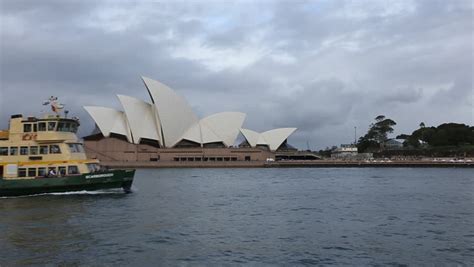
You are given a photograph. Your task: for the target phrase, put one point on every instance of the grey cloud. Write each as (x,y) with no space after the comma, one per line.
(402,95)
(461,92)
(341,71)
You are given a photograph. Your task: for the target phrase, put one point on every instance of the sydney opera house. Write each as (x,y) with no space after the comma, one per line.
(167,130)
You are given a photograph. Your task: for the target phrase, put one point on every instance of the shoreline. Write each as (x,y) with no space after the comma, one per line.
(288,164)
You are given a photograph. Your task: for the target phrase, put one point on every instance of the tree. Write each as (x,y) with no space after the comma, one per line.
(403,136)
(447,134)
(380,118)
(381,128)
(377,133)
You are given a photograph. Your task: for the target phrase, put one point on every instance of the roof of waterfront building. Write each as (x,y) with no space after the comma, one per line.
(170,121)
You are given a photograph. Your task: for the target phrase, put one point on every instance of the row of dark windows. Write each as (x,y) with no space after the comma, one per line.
(50,126)
(32,150)
(205,159)
(48,172)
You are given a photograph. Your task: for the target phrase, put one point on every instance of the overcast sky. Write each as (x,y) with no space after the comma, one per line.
(321,66)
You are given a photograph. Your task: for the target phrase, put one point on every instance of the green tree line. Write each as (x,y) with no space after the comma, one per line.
(444,135)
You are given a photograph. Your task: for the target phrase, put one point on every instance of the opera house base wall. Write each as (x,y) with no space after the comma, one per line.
(169,164)
(113,152)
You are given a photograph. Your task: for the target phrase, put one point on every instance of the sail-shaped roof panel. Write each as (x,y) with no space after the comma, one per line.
(175,114)
(274,138)
(225,125)
(251,136)
(109,121)
(141,119)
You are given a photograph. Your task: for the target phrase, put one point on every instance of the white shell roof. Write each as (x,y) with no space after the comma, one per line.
(225,125)
(201,134)
(141,119)
(273,138)
(220,127)
(175,114)
(170,119)
(276,137)
(252,137)
(193,134)
(110,120)
(208,135)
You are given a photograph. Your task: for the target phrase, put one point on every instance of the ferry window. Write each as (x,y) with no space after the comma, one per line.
(54,149)
(76,148)
(35,127)
(21,172)
(52,171)
(43,150)
(72,148)
(31,172)
(51,126)
(4,151)
(72,170)
(41,172)
(80,148)
(62,170)
(42,126)
(74,127)
(13,151)
(33,150)
(23,150)
(62,127)
(26,127)
(93,167)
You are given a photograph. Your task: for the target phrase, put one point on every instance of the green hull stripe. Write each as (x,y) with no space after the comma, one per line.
(94,181)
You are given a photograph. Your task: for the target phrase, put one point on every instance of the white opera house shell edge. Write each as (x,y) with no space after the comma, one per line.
(169,122)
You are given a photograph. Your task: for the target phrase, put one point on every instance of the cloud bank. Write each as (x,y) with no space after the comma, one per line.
(322,66)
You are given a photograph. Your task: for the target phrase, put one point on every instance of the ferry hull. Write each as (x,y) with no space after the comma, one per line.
(90,182)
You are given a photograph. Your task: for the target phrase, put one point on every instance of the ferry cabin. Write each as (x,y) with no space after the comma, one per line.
(33,148)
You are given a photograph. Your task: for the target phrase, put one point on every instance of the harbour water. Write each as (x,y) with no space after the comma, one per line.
(346,216)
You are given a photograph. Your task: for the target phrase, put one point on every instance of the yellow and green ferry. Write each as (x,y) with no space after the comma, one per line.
(44,155)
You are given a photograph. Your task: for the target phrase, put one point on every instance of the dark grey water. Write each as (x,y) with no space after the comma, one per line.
(251,216)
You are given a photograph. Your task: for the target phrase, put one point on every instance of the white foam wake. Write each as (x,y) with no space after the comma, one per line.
(82,192)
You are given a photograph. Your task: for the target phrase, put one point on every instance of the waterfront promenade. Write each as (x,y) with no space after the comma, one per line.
(294,164)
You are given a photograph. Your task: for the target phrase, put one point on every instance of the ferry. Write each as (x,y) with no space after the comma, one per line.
(44,155)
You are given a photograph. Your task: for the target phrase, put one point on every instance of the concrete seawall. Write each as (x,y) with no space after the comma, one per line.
(288,164)
(362,164)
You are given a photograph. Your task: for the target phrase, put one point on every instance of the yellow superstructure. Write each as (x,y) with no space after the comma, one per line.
(40,147)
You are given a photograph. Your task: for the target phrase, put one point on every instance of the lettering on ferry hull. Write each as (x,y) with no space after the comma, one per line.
(99,175)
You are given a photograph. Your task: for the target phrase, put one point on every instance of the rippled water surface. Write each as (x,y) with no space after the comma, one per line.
(251,216)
